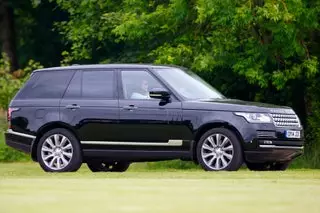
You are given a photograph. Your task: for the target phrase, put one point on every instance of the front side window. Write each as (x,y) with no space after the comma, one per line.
(137,84)
(98,84)
(187,84)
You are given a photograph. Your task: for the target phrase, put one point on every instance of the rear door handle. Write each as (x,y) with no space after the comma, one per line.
(73,106)
(130,107)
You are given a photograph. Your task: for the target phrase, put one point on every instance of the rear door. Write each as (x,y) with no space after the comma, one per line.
(90,105)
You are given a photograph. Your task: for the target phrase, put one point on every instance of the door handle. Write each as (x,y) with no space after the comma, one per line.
(129,107)
(73,106)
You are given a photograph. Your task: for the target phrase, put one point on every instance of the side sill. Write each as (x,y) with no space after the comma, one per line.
(135,155)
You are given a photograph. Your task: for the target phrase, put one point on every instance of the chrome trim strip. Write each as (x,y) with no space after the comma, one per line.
(280,147)
(10,131)
(169,143)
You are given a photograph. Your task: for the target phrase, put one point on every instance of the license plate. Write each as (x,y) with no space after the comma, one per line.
(292,134)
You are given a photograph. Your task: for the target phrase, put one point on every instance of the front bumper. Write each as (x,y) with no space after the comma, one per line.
(271,145)
(19,141)
(273,153)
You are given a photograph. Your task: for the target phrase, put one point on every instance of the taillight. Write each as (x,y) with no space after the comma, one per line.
(9,115)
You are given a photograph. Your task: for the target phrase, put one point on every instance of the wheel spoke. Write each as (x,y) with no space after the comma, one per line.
(69,155)
(52,161)
(205,146)
(56,140)
(63,141)
(48,156)
(46,149)
(217,164)
(225,140)
(69,146)
(64,161)
(49,141)
(210,139)
(229,148)
(58,163)
(211,161)
(218,139)
(224,162)
(208,154)
(227,155)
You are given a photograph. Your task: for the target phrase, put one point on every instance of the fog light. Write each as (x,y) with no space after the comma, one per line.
(266,142)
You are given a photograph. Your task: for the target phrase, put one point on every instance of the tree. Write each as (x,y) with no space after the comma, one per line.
(7,33)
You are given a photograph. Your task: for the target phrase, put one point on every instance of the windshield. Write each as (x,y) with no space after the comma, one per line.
(188,85)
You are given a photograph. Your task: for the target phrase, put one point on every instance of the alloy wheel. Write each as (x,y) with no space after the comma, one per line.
(57,152)
(217,151)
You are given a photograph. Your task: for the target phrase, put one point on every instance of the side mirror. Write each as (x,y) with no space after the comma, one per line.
(159,93)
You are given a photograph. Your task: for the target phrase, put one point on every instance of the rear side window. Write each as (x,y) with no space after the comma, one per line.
(91,85)
(46,84)
(98,84)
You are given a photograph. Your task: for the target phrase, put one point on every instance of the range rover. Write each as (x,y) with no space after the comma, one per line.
(109,116)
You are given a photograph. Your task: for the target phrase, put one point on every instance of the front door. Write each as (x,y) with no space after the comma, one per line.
(145,121)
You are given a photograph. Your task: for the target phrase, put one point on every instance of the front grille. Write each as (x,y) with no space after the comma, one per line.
(285,120)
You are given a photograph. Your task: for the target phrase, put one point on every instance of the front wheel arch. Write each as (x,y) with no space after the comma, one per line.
(206,127)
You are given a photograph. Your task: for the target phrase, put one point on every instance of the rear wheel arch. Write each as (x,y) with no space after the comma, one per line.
(46,128)
(206,127)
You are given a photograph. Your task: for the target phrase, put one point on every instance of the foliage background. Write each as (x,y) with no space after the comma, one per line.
(256,50)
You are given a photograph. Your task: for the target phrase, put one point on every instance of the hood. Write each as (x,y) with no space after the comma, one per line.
(236,105)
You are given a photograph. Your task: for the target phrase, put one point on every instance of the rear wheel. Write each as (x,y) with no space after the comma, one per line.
(219,149)
(59,151)
(101,166)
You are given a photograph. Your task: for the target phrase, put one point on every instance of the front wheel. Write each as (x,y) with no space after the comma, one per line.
(100,166)
(219,149)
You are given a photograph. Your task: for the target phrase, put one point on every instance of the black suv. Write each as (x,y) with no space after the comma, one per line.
(111,115)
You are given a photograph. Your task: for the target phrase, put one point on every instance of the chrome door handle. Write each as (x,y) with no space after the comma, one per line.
(129,107)
(73,106)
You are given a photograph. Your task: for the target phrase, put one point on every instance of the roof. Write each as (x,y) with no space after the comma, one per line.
(102,66)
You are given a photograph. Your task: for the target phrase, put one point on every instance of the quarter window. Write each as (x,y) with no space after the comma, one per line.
(48,84)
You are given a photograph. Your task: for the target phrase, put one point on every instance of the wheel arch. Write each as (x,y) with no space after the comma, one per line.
(206,127)
(44,129)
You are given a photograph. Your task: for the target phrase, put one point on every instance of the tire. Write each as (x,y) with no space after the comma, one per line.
(64,147)
(275,166)
(228,153)
(100,166)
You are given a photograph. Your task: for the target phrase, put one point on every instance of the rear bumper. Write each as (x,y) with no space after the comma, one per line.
(19,141)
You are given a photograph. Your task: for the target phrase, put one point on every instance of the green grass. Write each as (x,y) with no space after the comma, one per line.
(24,187)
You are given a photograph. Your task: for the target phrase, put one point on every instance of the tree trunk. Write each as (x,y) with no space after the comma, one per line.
(7,34)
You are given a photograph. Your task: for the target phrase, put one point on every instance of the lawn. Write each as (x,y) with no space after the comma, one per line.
(153,188)
(25,188)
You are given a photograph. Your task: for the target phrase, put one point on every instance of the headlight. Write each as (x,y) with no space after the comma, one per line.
(255,117)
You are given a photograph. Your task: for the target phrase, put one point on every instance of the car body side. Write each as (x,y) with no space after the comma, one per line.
(155,123)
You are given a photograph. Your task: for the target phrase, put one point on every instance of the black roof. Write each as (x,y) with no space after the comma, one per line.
(101,66)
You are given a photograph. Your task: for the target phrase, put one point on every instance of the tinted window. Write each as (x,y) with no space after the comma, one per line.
(74,89)
(46,85)
(98,84)
(188,84)
(137,84)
